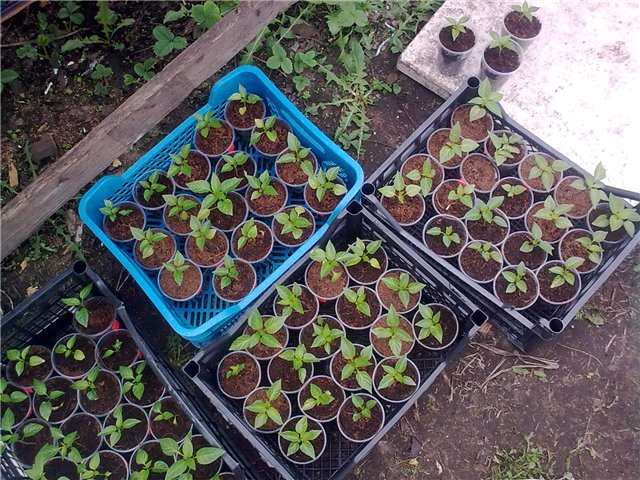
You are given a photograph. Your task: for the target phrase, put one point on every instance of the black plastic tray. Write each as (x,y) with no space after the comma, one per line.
(522,328)
(341,455)
(43,319)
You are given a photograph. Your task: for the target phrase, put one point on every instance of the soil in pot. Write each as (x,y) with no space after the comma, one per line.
(273,148)
(199,170)
(405,213)
(120,229)
(504,61)
(536,183)
(550,232)
(309,305)
(255,248)
(71,367)
(125,356)
(489,232)
(325,287)
(517,157)
(268,205)
(559,294)
(20,409)
(397,391)
(108,393)
(288,238)
(381,345)
(475,130)
(113,464)
(37,372)
(156,199)
(318,443)
(570,247)
(435,143)
(520,26)
(366,274)
(191,282)
(450,207)
(154,452)
(567,195)
(62,406)
(246,381)
(177,427)
(61,468)
(337,364)
(307,338)
(517,299)
(217,142)
(448,322)
(248,168)
(213,252)
(478,170)
(476,267)
(388,297)
(352,317)
(163,251)
(27,450)
(229,222)
(603,209)
(262,351)
(364,428)
(177,224)
(280,369)
(292,173)
(416,162)
(514,256)
(323,412)
(204,472)
(328,203)
(130,436)
(434,242)
(281,404)
(153,388)
(517,205)
(246,120)
(101,315)
(87,428)
(463,42)
(239,288)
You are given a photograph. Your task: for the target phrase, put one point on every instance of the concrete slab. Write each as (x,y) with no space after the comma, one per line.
(578,88)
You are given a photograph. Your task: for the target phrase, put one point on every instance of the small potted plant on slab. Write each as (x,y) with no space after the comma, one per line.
(188,166)
(293,225)
(242,109)
(269,137)
(266,195)
(517,197)
(292,366)
(360,418)
(225,208)
(422,170)
(527,247)
(116,348)
(614,218)
(125,428)
(252,241)
(326,276)
(358,307)
(195,457)
(234,279)
(92,316)
(323,190)
(399,289)
(140,385)
(302,440)
(119,218)
(584,244)
(456,41)
(297,304)
(453,197)
(206,246)
(322,336)
(475,123)
(177,212)
(87,428)
(559,281)
(352,367)
(239,374)
(479,171)
(148,191)
(180,279)
(396,379)
(480,261)
(449,147)
(485,221)
(31,363)
(153,247)
(267,409)
(292,165)
(168,420)
(264,337)
(506,148)
(500,59)
(74,355)
(391,335)
(54,400)
(435,326)
(516,286)
(99,392)
(550,217)
(212,136)
(403,202)
(445,235)
(540,172)
(366,261)
(522,25)
(320,398)
(238,164)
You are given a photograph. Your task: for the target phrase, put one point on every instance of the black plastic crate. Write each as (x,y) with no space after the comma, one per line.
(523,328)
(340,455)
(42,319)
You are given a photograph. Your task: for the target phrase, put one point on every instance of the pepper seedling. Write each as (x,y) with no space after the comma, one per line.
(133,379)
(202,231)
(147,240)
(66,448)
(244,98)
(162,415)
(217,194)
(264,127)
(501,42)
(563,273)
(300,438)
(113,212)
(21,358)
(17,396)
(151,186)
(324,181)
(46,407)
(429,323)
(359,251)
(296,154)
(356,364)
(486,100)
(187,458)
(179,164)
(504,146)
(425,176)
(546,171)
(365,409)
(395,374)
(536,242)
(399,190)
(180,205)
(91,469)
(403,287)
(145,466)
(515,280)
(290,299)
(456,146)
(593,183)
(318,398)
(67,350)
(555,213)
(263,332)
(177,267)
(248,231)
(323,335)
(81,313)
(592,245)
(262,186)
(205,123)
(457,26)
(264,409)
(485,212)
(486,251)
(235,370)
(462,194)
(9,437)
(233,162)
(393,333)
(619,216)
(298,357)
(293,222)
(358,298)
(88,384)
(115,348)
(46,453)
(525,10)
(448,235)
(227,272)
(513,190)
(329,260)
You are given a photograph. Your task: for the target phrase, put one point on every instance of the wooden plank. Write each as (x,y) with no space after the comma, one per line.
(133,119)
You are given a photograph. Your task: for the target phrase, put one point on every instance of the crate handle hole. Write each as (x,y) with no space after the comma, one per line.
(80,267)
(556,325)
(368,189)
(478,317)
(354,207)
(192,369)
(473,82)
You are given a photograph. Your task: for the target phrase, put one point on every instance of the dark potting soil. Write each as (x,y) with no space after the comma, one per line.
(204,472)
(60,468)
(518,298)
(309,305)
(177,224)
(112,463)
(491,150)
(364,273)
(288,238)
(108,390)
(416,163)
(131,436)
(177,427)
(536,183)
(514,256)
(463,42)
(27,450)
(272,148)
(307,338)
(517,205)
(325,287)
(62,406)
(267,205)
(405,213)
(504,62)
(550,232)
(87,428)
(475,266)
(388,297)
(191,282)
(292,173)
(217,142)
(323,412)
(479,171)
(520,26)
(199,170)
(162,252)
(434,242)
(475,130)
(154,451)
(255,248)
(73,368)
(229,222)
(22,409)
(570,247)
(350,315)
(38,372)
(279,404)
(318,443)
(397,391)
(239,288)
(448,322)
(249,168)
(246,120)
(435,143)
(262,351)
(450,207)
(603,209)
(382,344)
(567,195)
(246,381)
(337,364)
(213,252)
(127,354)
(558,294)
(227,476)
(328,203)
(490,232)
(156,199)
(101,316)
(153,388)
(280,369)
(365,427)
(121,228)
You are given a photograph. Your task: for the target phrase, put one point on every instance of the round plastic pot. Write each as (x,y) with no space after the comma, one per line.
(524,43)
(446,166)
(136,250)
(496,78)
(535,279)
(284,420)
(433,197)
(578,282)
(30,408)
(69,415)
(359,348)
(570,179)
(308,366)
(193,295)
(372,336)
(593,230)
(143,177)
(135,401)
(63,341)
(383,267)
(144,446)
(26,463)
(434,163)
(16,381)
(166,209)
(213,265)
(422,210)
(306,193)
(269,357)
(366,397)
(478,281)
(315,315)
(526,225)
(297,244)
(103,415)
(505,168)
(296,186)
(587,233)
(255,282)
(229,148)
(320,297)
(128,450)
(152,433)
(506,260)
(242,132)
(115,454)
(240,188)
(88,304)
(244,352)
(416,330)
(286,199)
(196,152)
(293,421)
(493,164)
(90,418)
(463,240)
(309,412)
(105,338)
(234,244)
(324,355)
(526,180)
(450,62)
(246,214)
(272,156)
(374,315)
(482,140)
(381,394)
(398,311)
(121,204)
(495,244)
(497,191)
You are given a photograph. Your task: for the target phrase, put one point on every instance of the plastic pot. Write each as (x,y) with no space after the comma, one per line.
(125,205)
(448,165)
(273,156)
(491,162)
(145,176)
(463,239)
(20,381)
(186,299)
(67,374)
(255,282)
(506,168)
(107,338)
(290,426)
(572,213)
(231,354)
(133,400)
(246,404)
(497,212)
(381,354)
(200,154)
(140,411)
(524,43)
(419,217)
(234,244)
(230,147)
(308,189)
(366,397)
(244,219)
(586,233)
(85,403)
(534,219)
(114,457)
(391,361)
(448,182)
(315,315)
(498,191)
(136,251)
(435,307)
(284,343)
(522,235)
(166,209)
(524,178)
(244,184)
(243,132)
(345,276)
(286,199)
(296,185)
(578,284)
(91,303)
(86,419)
(174,433)
(374,314)
(450,62)
(359,347)
(309,413)
(309,366)
(490,280)
(487,115)
(146,446)
(383,267)
(302,240)
(502,297)
(323,355)
(497,78)
(398,310)
(25,458)
(594,213)
(201,265)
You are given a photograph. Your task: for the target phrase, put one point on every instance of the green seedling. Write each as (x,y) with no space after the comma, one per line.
(262,186)
(217,194)
(290,299)
(177,266)
(8,433)
(555,213)
(359,252)
(448,235)
(457,26)
(536,242)
(179,162)
(202,231)
(592,245)
(113,212)
(619,216)
(91,469)
(88,384)
(180,205)
(424,176)
(46,408)
(513,190)
(525,10)
(486,250)
(15,397)
(329,260)
(293,222)
(162,415)
(263,332)
(593,183)
(358,298)
(265,127)
(365,409)
(101,74)
(429,323)
(228,272)
(7,76)
(300,438)
(515,280)
(546,171)
(66,448)
(356,364)
(564,273)
(145,467)
(115,348)
(403,287)
(248,231)
(501,42)
(298,358)
(264,409)
(244,98)
(22,359)
(323,335)
(318,398)
(394,334)
(324,181)
(147,239)
(486,100)
(81,313)
(67,350)
(399,190)
(187,458)
(504,146)
(232,163)
(485,212)
(462,194)
(205,123)
(132,379)
(151,186)
(143,72)
(235,370)
(296,154)
(395,374)
(456,146)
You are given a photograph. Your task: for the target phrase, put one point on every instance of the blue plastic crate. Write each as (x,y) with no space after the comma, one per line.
(200,319)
